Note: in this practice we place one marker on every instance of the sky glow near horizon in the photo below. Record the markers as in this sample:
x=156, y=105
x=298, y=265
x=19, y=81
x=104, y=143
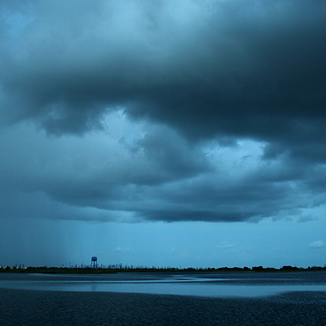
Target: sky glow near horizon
x=163, y=133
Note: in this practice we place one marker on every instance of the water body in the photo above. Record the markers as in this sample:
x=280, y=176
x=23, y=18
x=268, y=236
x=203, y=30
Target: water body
x=164, y=299
x=247, y=284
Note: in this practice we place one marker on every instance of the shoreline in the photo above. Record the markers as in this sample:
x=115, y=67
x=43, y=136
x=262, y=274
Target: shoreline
x=223, y=270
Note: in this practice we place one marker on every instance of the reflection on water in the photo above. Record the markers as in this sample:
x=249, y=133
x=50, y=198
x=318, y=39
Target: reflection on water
x=238, y=285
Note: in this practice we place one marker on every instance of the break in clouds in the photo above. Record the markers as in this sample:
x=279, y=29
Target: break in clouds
x=162, y=110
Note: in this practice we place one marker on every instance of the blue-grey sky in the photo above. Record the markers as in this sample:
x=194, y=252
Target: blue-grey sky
x=163, y=133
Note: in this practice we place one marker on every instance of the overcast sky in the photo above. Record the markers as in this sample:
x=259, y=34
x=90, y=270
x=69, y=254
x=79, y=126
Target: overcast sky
x=163, y=133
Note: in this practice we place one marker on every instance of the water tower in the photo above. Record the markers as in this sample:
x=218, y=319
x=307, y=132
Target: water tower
x=94, y=262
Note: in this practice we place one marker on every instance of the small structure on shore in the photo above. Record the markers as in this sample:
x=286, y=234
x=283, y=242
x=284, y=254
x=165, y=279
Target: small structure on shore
x=94, y=262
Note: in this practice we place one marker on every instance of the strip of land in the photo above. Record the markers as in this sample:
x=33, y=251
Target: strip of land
x=119, y=268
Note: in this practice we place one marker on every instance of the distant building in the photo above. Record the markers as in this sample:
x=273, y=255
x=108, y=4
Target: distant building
x=94, y=262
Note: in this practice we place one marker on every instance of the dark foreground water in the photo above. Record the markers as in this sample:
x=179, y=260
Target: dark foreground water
x=35, y=304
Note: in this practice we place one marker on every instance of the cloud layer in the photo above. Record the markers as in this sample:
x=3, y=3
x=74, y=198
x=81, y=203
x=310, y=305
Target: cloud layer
x=162, y=110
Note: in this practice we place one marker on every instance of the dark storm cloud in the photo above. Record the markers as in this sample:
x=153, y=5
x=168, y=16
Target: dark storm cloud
x=194, y=72
x=225, y=68
x=154, y=177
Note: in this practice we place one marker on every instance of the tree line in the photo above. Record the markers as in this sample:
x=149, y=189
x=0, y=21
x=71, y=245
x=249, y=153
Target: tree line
x=82, y=269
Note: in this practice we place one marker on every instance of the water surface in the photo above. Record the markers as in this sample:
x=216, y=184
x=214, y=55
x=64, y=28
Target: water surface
x=240, y=284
